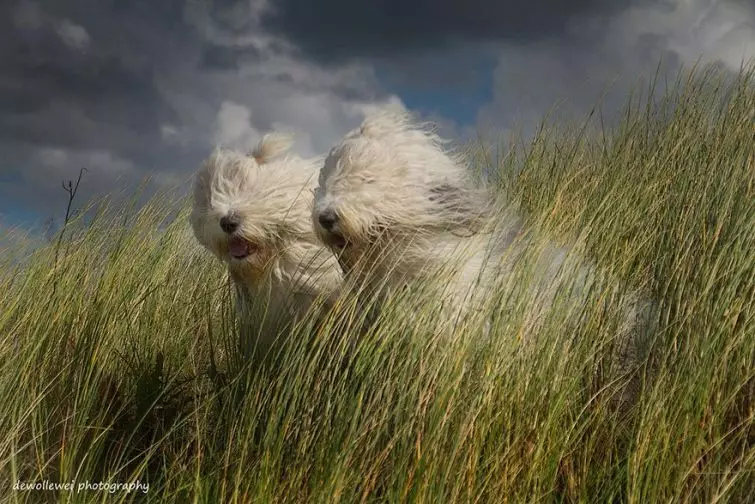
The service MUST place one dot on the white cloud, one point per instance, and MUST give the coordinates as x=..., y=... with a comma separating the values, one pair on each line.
x=233, y=128
x=276, y=90
x=317, y=120
x=53, y=165
x=280, y=88
x=602, y=58
x=710, y=30
x=73, y=35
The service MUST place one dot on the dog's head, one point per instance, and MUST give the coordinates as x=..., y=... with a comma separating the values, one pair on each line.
x=248, y=209
x=390, y=183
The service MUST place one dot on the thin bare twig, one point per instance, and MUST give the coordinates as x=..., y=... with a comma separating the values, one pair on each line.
x=71, y=189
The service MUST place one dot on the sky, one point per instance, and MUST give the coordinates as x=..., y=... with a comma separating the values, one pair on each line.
x=141, y=88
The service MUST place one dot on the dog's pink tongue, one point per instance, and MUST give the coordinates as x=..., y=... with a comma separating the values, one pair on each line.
x=238, y=247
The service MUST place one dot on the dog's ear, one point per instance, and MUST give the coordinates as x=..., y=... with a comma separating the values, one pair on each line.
x=271, y=146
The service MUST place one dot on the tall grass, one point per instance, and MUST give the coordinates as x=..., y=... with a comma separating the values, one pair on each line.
x=118, y=360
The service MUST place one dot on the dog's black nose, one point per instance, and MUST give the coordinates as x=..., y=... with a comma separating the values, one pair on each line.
x=229, y=223
x=328, y=219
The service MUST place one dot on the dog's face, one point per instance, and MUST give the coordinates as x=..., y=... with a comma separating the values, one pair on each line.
x=247, y=209
x=386, y=185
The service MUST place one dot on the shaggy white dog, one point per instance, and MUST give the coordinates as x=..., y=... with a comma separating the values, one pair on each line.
x=253, y=213
x=395, y=206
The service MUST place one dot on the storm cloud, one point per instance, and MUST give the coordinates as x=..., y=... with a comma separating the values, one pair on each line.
x=332, y=30
x=135, y=88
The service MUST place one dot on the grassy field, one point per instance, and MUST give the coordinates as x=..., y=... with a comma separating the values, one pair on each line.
x=117, y=360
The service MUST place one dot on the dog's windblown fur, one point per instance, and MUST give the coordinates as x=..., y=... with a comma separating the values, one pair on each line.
x=395, y=207
x=253, y=212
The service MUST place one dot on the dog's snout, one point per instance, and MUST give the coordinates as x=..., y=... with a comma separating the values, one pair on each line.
x=328, y=219
x=229, y=223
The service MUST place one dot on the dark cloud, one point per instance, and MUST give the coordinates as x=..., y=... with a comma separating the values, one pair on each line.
x=333, y=30
x=131, y=89
x=67, y=84
x=216, y=57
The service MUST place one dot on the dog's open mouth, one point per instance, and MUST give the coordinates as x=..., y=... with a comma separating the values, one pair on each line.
x=337, y=241
x=239, y=248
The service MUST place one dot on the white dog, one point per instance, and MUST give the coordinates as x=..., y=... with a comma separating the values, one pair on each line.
x=253, y=212
x=395, y=206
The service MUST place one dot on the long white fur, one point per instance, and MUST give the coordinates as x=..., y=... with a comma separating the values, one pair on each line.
x=408, y=209
x=270, y=190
